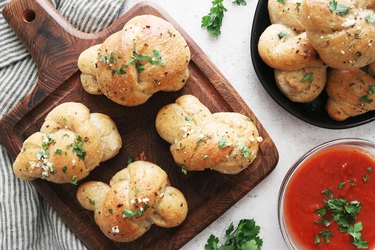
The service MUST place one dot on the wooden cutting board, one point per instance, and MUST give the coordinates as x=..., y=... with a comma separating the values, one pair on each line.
x=55, y=46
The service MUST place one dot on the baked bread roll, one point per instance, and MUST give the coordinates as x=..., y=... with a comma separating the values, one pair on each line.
x=147, y=56
x=302, y=85
x=226, y=142
x=71, y=143
x=342, y=33
x=136, y=197
x=286, y=12
x=350, y=92
x=281, y=48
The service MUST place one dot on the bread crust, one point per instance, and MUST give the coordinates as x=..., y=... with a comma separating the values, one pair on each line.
x=134, y=83
x=68, y=130
x=226, y=142
x=142, y=185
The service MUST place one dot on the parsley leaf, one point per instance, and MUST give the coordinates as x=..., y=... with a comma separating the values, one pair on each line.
x=339, y=8
x=213, y=20
x=92, y=202
x=281, y=1
x=365, y=99
x=64, y=169
x=130, y=159
x=222, y=143
x=245, y=151
x=240, y=2
x=78, y=143
x=341, y=184
x=245, y=236
x=370, y=19
x=74, y=180
x=308, y=77
x=129, y=213
x=184, y=169
x=282, y=35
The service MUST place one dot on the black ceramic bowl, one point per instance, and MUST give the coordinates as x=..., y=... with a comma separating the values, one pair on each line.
x=313, y=112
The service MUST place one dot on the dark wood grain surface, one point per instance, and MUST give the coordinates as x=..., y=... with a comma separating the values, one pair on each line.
x=55, y=46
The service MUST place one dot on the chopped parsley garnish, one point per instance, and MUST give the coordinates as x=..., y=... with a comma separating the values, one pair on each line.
x=365, y=99
x=326, y=234
x=130, y=159
x=308, y=77
x=240, y=2
x=245, y=236
x=188, y=118
x=282, y=35
x=352, y=183
x=74, y=180
x=184, y=169
x=137, y=57
x=369, y=169
x=213, y=20
x=92, y=202
x=355, y=232
x=47, y=142
x=110, y=211
x=58, y=151
x=77, y=148
x=341, y=184
x=245, y=151
x=140, y=68
x=222, y=143
x=119, y=56
x=321, y=211
x=43, y=152
x=371, y=89
x=357, y=36
x=344, y=214
x=281, y=1
x=366, y=178
x=129, y=213
x=204, y=157
x=64, y=169
x=339, y=8
x=298, y=4
x=118, y=70
x=370, y=19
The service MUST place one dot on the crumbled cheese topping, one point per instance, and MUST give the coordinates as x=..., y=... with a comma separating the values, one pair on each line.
x=252, y=138
x=348, y=23
x=259, y=139
x=115, y=230
x=42, y=158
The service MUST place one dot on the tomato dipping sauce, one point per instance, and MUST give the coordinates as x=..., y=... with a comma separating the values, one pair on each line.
x=349, y=172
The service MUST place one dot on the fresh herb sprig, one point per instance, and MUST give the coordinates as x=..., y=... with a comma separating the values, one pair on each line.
x=245, y=236
x=213, y=20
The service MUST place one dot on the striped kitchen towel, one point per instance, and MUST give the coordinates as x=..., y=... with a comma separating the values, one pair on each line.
x=27, y=221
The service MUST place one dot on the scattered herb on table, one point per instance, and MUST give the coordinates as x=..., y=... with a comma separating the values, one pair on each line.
x=240, y=2
x=184, y=169
x=213, y=20
x=245, y=236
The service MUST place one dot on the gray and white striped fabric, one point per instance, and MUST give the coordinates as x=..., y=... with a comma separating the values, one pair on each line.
x=27, y=221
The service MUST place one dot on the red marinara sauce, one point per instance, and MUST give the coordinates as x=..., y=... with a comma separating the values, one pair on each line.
x=303, y=195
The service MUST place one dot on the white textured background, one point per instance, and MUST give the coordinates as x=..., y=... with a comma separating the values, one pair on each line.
x=231, y=53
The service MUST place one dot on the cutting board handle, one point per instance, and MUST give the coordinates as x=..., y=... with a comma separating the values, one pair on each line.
x=47, y=35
